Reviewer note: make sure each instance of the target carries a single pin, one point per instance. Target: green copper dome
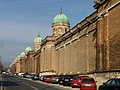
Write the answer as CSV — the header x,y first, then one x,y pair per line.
x,y
22,54
38,39
61,18
18,58
28,49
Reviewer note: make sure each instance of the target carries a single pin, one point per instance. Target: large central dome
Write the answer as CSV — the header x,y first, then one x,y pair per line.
x,y
61,18
60,24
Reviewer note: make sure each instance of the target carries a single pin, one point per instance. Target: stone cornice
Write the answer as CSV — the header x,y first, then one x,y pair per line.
x,y
108,9
97,5
74,39
37,52
48,39
80,26
30,52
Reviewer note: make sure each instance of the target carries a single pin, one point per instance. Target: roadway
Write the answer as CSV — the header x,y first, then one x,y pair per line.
x,y
8,82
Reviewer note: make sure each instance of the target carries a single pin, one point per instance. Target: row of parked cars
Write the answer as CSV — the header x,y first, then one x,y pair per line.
x,y
80,81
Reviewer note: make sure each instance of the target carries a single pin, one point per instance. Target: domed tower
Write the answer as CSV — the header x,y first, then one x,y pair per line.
x,y
22,54
28,49
60,24
37,42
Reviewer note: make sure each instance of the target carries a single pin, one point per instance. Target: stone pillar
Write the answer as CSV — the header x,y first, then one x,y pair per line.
x,y
23,65
107,41
64,58
103,42
26,65
37,64
61,60
99,44
57,61
87,52
58,57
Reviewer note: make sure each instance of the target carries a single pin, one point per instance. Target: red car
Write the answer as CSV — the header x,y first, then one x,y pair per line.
x,y
88,84
48,79
75,82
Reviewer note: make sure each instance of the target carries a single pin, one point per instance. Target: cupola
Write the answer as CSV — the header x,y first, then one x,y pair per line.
x,y
60,24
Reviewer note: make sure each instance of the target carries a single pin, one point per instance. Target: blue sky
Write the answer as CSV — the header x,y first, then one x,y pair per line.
x,y
22,20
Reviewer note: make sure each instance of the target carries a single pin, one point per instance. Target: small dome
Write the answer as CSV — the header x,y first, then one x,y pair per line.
x,y
61,18
38,39
22,54
28,49
18,58
15,60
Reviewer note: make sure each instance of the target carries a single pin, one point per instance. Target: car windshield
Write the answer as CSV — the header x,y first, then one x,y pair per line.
x,y
54,76
68,76
48,76
90,80
76,78
113,82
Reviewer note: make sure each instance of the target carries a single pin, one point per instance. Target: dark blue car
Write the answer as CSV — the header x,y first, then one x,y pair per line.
x,y
111,84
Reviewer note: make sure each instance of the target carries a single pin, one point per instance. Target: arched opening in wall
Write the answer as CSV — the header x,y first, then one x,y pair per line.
x,y
59,29
54,30
65,30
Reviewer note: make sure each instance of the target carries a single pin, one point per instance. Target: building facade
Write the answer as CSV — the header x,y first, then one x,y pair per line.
x,y
92,46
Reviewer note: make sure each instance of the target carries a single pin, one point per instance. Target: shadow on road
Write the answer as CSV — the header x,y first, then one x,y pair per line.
x,y
9,83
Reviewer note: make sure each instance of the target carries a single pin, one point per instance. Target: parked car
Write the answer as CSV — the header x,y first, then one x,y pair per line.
x,y
111,84
35,77
55,78
61,79
41,78
48,79
76,80
88,84
67,80
20,74
27,75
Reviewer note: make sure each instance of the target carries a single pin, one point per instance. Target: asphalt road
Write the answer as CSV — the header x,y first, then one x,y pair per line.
x,y
8,82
